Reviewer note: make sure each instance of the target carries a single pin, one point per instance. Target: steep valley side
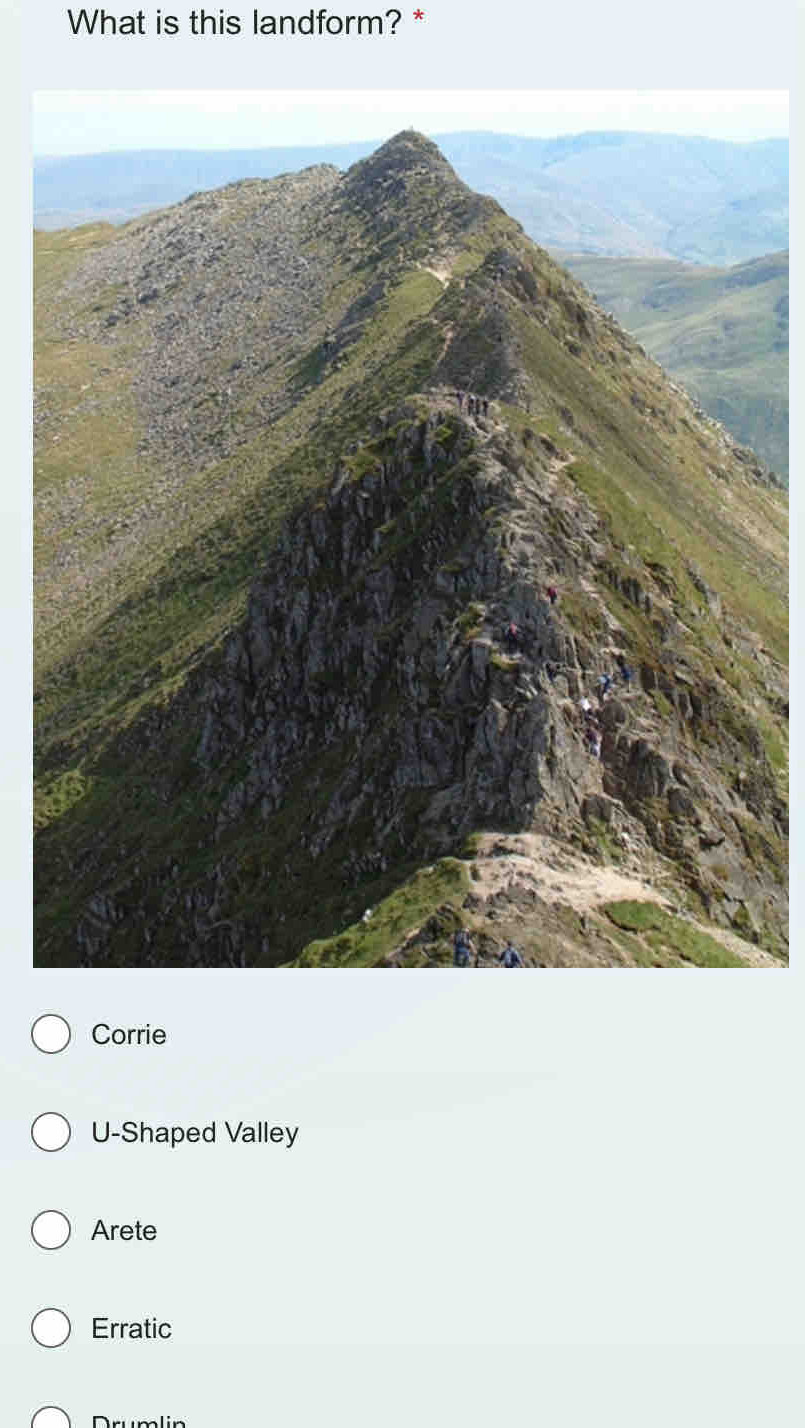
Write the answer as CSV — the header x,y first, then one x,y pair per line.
x,y
368,719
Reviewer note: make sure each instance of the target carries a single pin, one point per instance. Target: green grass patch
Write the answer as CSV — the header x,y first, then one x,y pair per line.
x,y
671,940
469,621
53,797
722,331
368,944
502,662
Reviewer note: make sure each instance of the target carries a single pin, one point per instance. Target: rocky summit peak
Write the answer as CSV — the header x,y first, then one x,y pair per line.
x,y
407,193
408,150
406,157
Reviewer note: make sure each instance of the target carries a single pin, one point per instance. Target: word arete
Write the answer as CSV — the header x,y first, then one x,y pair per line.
x,y
233,1132
135,1231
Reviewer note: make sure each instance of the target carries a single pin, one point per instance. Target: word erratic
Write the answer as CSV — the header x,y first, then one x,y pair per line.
x,y
221,22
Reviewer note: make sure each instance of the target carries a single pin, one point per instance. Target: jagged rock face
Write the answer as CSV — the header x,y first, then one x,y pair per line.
x,y
400,188
370,687
356,676
348,646
351,640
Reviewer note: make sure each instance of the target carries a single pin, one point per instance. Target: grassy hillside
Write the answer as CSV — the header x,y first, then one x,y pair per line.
x,y
722,331
153,509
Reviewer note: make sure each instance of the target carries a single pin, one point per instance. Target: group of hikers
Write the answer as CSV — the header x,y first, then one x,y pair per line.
x,y
464,950
593,736
476,406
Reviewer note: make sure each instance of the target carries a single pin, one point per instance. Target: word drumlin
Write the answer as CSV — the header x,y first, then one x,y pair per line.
x,y
229,1133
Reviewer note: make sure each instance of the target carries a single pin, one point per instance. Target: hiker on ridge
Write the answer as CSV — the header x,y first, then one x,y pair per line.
x,y
512,636
593,736
623,670
462,948
553,594
510,957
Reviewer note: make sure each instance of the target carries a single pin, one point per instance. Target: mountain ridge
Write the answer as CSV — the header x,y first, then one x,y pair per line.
x,y
208,756
689,190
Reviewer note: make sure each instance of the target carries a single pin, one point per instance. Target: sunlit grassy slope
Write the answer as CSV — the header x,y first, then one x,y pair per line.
x,y
722,331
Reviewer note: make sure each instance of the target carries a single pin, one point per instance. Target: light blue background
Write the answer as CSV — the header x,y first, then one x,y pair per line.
x,y
572,1199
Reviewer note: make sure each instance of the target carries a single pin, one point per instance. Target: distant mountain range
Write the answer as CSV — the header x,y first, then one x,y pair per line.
x,y
612,194
722,331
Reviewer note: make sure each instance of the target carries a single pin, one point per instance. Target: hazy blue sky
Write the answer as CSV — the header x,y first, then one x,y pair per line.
x,y
95,121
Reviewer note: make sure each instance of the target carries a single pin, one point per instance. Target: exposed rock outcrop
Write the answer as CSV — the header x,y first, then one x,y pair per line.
x,y
370,707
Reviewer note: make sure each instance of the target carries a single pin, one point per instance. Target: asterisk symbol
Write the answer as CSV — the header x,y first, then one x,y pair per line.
x,y
419,14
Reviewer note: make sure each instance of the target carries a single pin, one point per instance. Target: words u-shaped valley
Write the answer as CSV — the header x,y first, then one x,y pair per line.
x,y
173,1136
